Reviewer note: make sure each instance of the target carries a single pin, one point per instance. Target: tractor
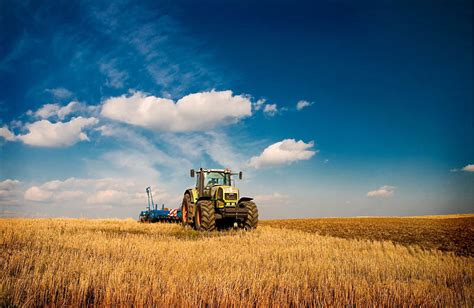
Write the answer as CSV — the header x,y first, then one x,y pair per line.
x,y
215,203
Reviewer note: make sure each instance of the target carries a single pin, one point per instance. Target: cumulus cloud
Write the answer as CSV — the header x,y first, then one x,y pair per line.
x,y
283,152
101,191
10,193
46,134
194,112
303,104
7,134
38,194
55,110
270,109
383,192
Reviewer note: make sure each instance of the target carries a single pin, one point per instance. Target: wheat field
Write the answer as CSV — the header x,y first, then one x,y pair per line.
x,y
122,262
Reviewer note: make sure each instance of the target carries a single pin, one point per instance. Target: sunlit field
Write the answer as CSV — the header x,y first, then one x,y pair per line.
x,y
107,262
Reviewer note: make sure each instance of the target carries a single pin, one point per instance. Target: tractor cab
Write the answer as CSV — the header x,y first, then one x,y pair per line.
x,y
214,178
217,184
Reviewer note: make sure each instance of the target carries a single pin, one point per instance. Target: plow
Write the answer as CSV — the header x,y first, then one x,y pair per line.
x,y
154,214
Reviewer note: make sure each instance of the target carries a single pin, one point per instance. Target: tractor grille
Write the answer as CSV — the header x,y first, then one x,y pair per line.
x,y
231,196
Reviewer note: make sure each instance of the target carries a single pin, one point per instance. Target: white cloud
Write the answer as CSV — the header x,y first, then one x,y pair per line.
x,y
303,104
7,134
52,110
467,168
60,93
8,188
270,109
7,185
284,152
383,192
101,191
64,111
38,194
194,112
46,134
259,104
267,109
48,110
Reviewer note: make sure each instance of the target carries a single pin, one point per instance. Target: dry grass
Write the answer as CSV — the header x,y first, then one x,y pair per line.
x,y
447,233
106,262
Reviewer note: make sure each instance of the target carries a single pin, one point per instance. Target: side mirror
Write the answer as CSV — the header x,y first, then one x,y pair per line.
x,y
191,173
240,175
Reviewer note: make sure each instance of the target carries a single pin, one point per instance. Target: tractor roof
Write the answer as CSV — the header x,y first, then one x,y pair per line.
x,y
227,170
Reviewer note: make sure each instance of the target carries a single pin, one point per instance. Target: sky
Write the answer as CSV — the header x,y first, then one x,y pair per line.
x,y
333,108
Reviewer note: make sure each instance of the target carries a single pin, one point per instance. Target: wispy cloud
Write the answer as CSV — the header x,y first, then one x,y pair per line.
x,y
55,110
60,93
115,78
161,47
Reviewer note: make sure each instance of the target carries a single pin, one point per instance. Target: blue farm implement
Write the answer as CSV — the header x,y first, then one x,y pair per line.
x,y
153,214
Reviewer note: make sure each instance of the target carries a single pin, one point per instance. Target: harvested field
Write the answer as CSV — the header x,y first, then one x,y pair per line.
x,y
118,262
446,233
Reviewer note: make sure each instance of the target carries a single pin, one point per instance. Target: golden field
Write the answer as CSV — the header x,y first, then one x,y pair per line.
x,y
122,262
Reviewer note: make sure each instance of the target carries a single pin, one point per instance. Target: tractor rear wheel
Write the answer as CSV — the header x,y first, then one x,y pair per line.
x,y
252,216
205,217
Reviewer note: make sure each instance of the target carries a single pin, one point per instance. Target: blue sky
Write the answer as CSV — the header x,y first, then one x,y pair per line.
x,y
338,108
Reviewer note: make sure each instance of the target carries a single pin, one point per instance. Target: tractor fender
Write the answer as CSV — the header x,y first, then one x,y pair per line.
x,y
243,199
191,195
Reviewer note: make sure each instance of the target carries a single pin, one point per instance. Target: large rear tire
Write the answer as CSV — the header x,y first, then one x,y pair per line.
x,y
251,221
205,217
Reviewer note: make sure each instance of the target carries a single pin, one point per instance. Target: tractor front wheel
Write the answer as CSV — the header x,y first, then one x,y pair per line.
x,y
185,209
205,217
252,215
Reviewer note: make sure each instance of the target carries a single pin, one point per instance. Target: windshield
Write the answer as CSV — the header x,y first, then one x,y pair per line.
x,y
216,178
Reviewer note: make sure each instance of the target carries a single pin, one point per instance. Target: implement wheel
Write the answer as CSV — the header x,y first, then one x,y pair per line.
x,y
252,217
205,217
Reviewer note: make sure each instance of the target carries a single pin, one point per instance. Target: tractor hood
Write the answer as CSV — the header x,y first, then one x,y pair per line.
x,y
225,193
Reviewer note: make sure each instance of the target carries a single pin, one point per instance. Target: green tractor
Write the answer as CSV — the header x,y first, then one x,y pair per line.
x,y
215,202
